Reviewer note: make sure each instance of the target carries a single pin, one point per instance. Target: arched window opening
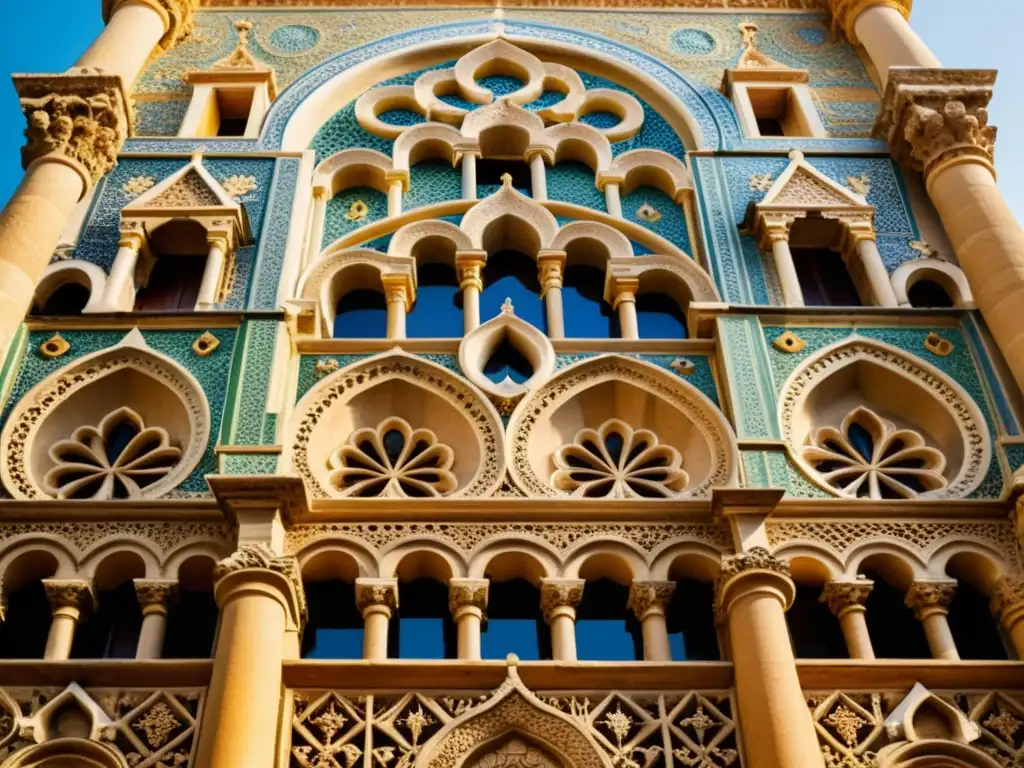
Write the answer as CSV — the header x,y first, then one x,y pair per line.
x,y
587,315
895,631
606,629
814,631
514,622
26,623
512,275
823,275
659,316
424,629
507,362
170,281
112,630
67,299
334,629
361,314
437,313
976,631
928,293
192,617
691,622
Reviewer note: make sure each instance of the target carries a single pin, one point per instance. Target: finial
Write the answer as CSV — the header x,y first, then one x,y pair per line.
x,y
797,156
243,26
512,660
506,181
749,31
506,307
197,157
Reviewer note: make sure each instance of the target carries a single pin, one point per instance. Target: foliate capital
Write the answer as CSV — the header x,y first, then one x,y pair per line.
x,y
928,597
933,116
757,561
261,556
647,596
846,12
844,596
154,593
82,117
1007,600
70,593
178,15
558,595
376,592
467,593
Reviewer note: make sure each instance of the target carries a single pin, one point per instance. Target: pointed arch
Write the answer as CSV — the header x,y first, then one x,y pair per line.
x,y
83,394
509,216
479,345
857,374
664,411
396,386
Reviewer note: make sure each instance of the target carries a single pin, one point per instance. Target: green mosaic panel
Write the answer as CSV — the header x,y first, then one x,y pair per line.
x,y
247,427
750,391
249,463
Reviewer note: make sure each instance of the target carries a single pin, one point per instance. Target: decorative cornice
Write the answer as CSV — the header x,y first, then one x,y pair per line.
x,y
559,594
932,117
844,596
846,12
647,596
376,592
178,16
467,593
928,597
83,117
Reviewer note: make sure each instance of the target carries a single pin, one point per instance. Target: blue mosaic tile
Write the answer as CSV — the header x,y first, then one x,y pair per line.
x,y
671,225
432,181
160,118
693,42
274,235
336,221
573,182
294,38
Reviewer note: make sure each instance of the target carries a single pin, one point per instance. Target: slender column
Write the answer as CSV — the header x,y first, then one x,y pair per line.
x,y
649,600
396,291
859,247
316,235
624,303
394,197
467,601
930,601
377,600
846,601
882,27
469,175
552,266
558,601
754,591
119,293
612,199
261,599
469,265
154,598
213,273
937,121
778,236
1008,605
69,600
538,174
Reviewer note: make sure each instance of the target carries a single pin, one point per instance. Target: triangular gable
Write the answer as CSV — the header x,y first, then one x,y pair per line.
x,y
190,187
802,185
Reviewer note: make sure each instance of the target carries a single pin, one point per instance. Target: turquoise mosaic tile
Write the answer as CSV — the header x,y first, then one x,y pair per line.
x,y
671,225
336,221
573,182
247,426
702,378
432,181
274,235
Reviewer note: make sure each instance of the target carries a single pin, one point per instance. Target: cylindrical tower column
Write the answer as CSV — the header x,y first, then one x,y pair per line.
x,y
613,199
778,236
551,265
930,601
377,600
69,600
754,591
154,596
134,28
558,601
467,601
259,598
649,601
846,600
395,197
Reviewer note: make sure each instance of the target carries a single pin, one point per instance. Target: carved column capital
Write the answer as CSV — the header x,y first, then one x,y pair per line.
x,y
70,595
154,595
625,290
551,265
934,117
79,118
262,557
845,596
928,597
469,265
178,15
757,568
845,13
376,594
647,597
398,290
1007,600
560,596
467,594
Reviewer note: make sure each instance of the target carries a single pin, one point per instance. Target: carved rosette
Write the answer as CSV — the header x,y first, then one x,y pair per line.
x,y
650,596
755,561
845,13
933,116
466,594
261,556
560,596
70,595
179,17
377,594
154,595
85,117
845,596
928,597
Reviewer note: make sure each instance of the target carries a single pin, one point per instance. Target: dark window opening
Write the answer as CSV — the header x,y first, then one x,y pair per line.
x,y
232,126
587,315
26,626
361,314
490,171
895,631
173,285
68,299
334,629
777,112
437,312
824,279
507,361
770,126
606,630
191,625
927,293
659,316
514,622
424,629
112,630
813,628
691,622
512,275
975,630
227,113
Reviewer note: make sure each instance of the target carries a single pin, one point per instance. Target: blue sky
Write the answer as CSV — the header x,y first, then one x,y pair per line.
x,y
963,33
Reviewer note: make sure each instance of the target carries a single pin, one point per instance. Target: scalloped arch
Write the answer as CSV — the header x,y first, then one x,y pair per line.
x,y
398,384
37,421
